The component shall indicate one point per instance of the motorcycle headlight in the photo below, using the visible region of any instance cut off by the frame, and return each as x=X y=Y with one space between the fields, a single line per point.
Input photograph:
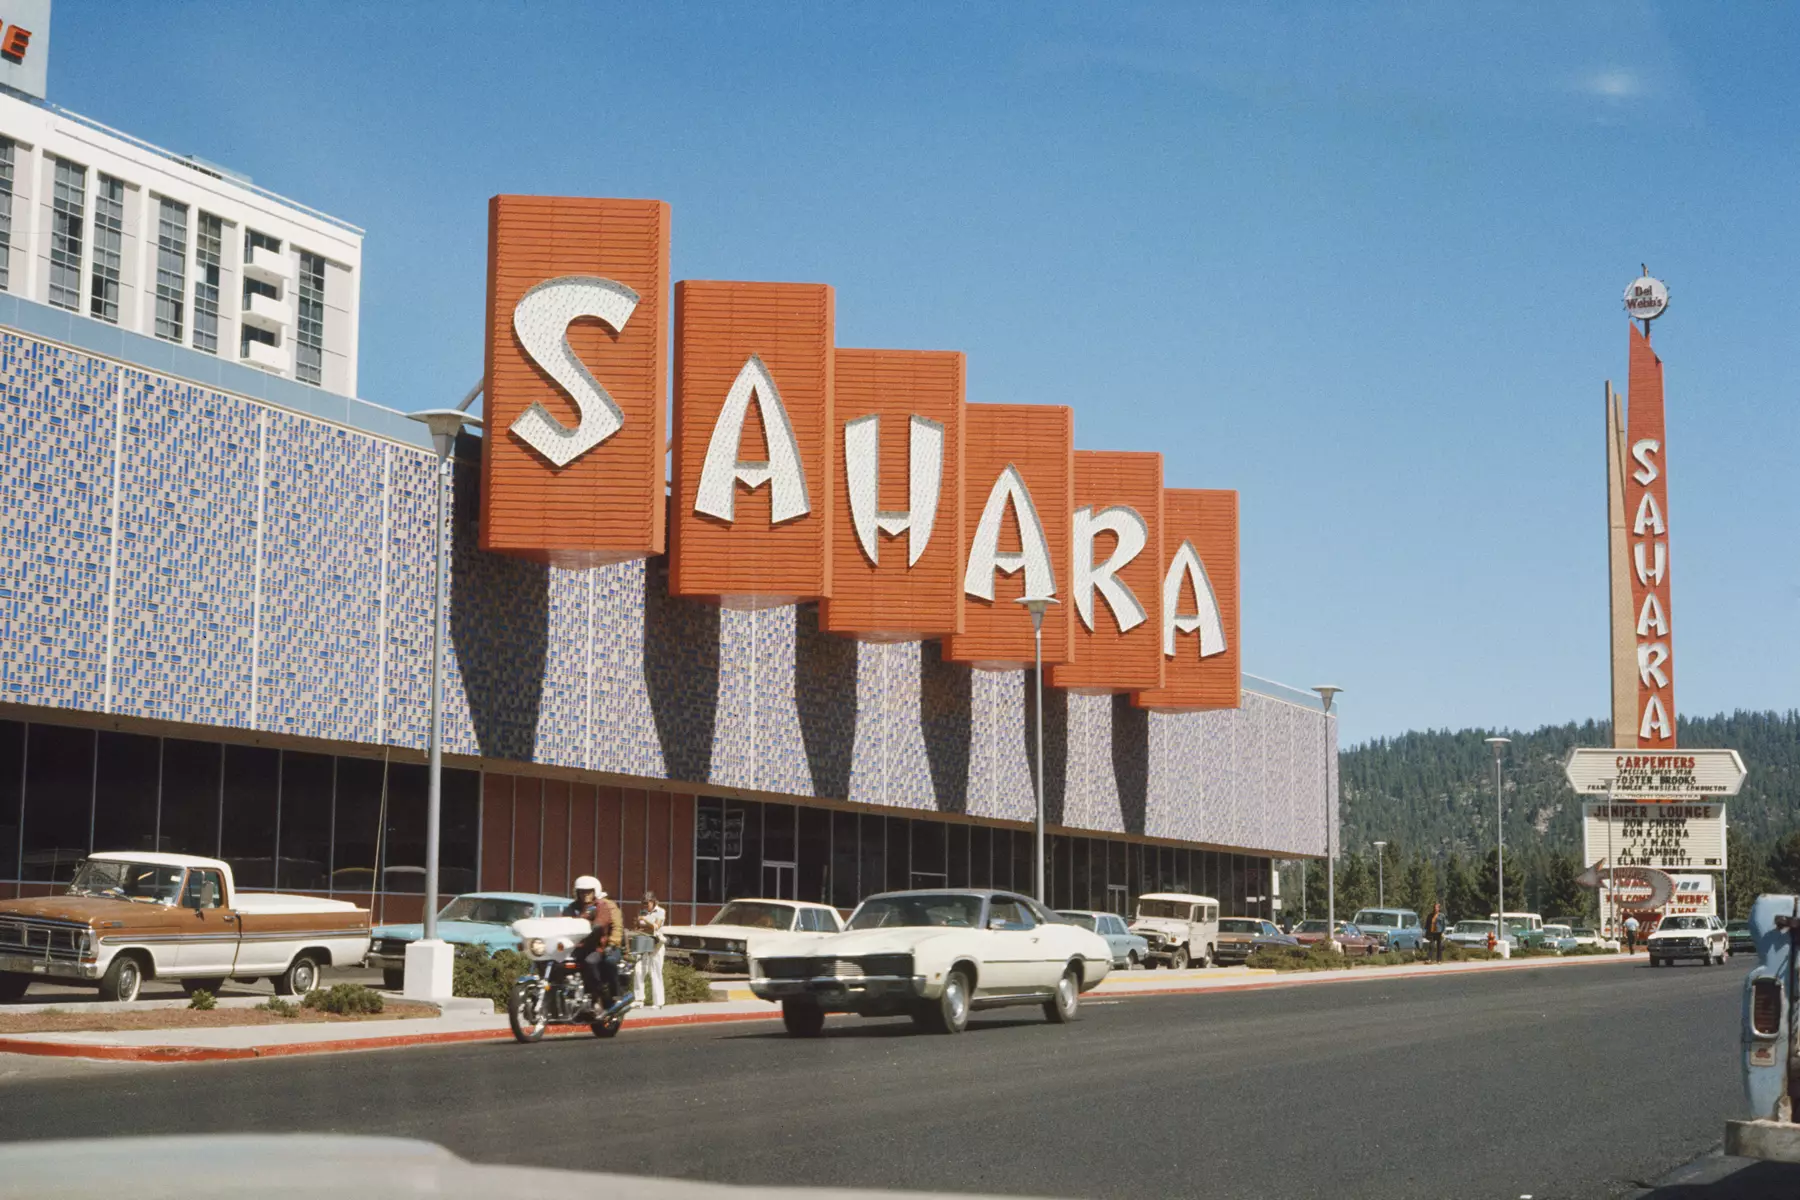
x=535 y=947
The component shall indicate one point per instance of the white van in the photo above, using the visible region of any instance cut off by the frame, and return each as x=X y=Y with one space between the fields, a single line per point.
x=1181 y=928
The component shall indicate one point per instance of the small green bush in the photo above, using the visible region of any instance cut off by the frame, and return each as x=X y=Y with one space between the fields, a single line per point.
x=1316 y=957
x=280 y=1007
x=486 y=976
x=1455 y=953
x=202 y=1000
x=684 y=985
x=344 y=999
x=1584 y=951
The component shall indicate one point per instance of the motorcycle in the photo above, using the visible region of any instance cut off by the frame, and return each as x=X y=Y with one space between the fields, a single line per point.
x=554 y=993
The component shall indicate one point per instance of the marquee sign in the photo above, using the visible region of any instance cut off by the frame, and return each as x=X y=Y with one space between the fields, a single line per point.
x=1679 y=775
x=798 y=471
x=1668 y=837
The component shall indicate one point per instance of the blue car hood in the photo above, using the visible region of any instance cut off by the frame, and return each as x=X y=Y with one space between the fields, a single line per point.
x=469 y=933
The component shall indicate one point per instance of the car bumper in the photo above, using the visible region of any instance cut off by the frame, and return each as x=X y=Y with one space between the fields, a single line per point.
x=843 y=993
x=1231 y=952
x=48 y=968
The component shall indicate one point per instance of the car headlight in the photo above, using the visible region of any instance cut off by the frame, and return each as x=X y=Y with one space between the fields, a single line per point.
x=735 y=947
x=535 y=947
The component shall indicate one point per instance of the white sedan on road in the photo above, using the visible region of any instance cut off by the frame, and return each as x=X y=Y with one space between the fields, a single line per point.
x=1696 y=937
x=934 y=956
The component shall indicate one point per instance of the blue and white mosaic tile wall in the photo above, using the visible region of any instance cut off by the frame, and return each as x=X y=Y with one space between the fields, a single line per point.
x=174 y=552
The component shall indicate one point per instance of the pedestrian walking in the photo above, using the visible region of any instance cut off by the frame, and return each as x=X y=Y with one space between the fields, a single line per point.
x=651 y=920
x=1434 y=929
x=1631 y=928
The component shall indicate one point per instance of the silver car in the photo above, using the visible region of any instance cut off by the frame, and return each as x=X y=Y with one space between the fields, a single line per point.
x=1129 y=951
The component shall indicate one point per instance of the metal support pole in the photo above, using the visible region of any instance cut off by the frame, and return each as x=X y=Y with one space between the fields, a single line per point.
x=1037 y=631
x=435 y=788
x=1499 y=849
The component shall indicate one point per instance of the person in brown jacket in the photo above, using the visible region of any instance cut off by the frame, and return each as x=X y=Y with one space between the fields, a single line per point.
x=598 y=952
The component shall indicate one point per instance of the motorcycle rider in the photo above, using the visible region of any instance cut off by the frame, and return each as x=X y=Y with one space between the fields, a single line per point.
x=598 y=952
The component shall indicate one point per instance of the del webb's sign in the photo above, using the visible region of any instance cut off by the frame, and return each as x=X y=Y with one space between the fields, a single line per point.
x=800 y=470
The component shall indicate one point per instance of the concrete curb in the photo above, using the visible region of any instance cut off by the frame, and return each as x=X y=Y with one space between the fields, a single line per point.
x=190 y=1054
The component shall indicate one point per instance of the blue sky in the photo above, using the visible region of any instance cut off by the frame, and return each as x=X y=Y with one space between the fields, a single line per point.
x=1362 y=263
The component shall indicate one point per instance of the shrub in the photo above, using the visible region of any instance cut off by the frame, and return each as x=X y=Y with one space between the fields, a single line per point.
x=1315 y=957
x=344 y=999
x=1583 y=951
x=202 y=1000
x=1455 y=953
x=684 y=985
x=486 y=976
x=280 y=1007
x=1533 y=952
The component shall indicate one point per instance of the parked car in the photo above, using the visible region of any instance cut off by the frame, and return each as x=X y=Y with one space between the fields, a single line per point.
x=1240 y=937
x=134 y=915
x=473 y=919
x=1587 y=935
x=1350 y=937
x=1180 y=928
x=724 y=943
x=1739 y=937
x=1129 y=951
x=1474 y=934
x=1399 y=928
x=1559 y=938
x=1696 y=937
x=1520 y=922
x=934 y=956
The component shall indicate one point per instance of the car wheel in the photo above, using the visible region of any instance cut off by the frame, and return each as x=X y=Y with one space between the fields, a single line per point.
x=1179 y=960
x=1062 y=1006
x=951 y=1012
x=1132 y=961
x=802 y=1018
x=123 y=979
x=13 y=985
x=393 y=980
x=301 y=977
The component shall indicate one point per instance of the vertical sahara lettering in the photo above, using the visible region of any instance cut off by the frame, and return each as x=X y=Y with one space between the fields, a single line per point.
x=1647 y=502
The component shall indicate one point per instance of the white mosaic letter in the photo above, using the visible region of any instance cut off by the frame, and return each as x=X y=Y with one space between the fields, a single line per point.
x=985 y=555
x=724 y=470
x=541 y=322
x=1133 y=532
x=1207 y=622
x=925 y=478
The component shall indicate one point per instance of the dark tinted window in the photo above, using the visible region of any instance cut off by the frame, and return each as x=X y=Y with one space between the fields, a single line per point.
x=125 y=791
x=403 y=848
x=845 y=856
x=59 y=794
x=459 y=839
x=12 y=790
x=190 y=797
x=251 y=814
x=306 y=787
x=357 y=822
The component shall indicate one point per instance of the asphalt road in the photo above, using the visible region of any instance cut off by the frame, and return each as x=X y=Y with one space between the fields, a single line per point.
x=1591 y=1081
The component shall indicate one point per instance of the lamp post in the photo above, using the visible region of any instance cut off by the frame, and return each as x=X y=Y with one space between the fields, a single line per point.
x=1381 y=874
x=1499 y=744
x=1326 y=692
x=430 y=961
x=1038 y=605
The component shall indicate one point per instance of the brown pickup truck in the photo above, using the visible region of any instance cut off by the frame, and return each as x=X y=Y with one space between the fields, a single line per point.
x=129 y=916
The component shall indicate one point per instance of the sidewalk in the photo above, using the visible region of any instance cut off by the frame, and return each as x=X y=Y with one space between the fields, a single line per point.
x=462 y=1024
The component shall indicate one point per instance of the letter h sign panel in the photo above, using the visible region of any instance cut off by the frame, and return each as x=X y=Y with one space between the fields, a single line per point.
x=897 y=515
x=577 y=342
x=753 y=472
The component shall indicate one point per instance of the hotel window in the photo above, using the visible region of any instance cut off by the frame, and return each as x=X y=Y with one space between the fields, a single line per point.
x=208 y=259
x=68 y=213
x=109 y=236
x=309 y=335
x=6 y=200
x=171 y=270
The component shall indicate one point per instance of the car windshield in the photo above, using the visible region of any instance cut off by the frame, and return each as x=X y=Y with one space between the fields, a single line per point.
x=1683 y=923
x=487 y=910
x=755 y=914
x=1557 y=930
x=153 y=883
x=1581 y=931
x=1369 y=916
x=888 y=912
x=1173 y=910
x=1474 y=927
x=1085 y=920
x=1738 y=926
x=1310 y=927
x=1235 y=925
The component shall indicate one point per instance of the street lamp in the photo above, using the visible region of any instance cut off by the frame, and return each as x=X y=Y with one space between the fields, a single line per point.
x=1381 y=874
x=1326 y=692
x=1499 y=744
x=430 y=961
x=1038 y=605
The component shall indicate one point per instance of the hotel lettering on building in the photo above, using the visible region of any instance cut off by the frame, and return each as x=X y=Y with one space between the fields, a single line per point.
x=734 y=610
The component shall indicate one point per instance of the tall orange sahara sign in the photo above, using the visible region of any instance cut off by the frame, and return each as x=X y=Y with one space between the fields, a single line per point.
x=800 y=472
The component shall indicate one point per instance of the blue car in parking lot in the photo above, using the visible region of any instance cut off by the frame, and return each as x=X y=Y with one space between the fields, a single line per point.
x=1400 y=928
x=474 y=919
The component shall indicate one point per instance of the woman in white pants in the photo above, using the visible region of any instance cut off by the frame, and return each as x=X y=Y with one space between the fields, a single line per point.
x=650 y=920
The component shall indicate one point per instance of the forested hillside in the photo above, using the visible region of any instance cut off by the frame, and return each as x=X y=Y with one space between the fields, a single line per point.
x=1430 y=796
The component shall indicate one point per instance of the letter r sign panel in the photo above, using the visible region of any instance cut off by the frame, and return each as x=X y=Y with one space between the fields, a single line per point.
x=1202 y=658
x=897 y=514
x=577 y=341
x=1116 y=573
x=753 y=470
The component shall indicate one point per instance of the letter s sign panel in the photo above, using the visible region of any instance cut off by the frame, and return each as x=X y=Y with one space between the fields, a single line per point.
x=577 y=347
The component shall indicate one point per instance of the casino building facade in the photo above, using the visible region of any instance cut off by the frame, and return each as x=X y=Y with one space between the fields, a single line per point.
x=216 y=574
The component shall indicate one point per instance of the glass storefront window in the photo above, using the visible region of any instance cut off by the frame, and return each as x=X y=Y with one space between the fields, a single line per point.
x=981 y=850
x=814 y=879
x=12 y=794
x=743 y=853
x=356 y=825
x=872 y=854
x=305 y=842
x=59 y=796
x=251 y=814
x=846 y=854
x=125 y=784
x=190 y=797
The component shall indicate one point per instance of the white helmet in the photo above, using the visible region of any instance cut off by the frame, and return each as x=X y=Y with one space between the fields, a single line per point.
x=587 y=883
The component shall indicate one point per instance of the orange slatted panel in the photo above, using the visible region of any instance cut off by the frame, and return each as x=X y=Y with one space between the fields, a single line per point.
x=581 y=829
x=657 y=857
x=1209 y=519
x=1040 y=441
x=556 y=837
x=631 y=872
x=681 y=837
x=748 y=561
x=890 y=600
x=496 y=833
x=1107 y=660
x=608 y=814
x=606 y=505
x=528 y=807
